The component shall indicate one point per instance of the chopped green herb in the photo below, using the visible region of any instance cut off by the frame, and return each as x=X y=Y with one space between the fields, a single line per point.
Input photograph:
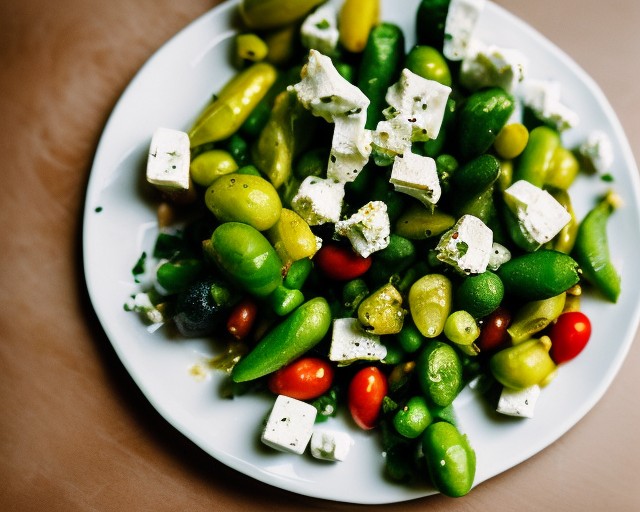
x=138 y=268
x=323 y=25
x=607 y=177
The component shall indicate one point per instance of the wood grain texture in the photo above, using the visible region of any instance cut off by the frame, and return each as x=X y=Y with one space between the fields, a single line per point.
x=76 y=434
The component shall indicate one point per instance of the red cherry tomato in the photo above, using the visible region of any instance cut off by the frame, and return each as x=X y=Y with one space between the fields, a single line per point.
x=366 y=392
x=304 y=379
x=340 y=262
x=569 y=335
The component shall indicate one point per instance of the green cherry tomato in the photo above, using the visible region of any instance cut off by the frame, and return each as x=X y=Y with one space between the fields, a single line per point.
x=569 y=335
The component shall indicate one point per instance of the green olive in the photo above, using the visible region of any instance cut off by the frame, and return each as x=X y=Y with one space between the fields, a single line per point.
x=244 y=198
x=429 y=63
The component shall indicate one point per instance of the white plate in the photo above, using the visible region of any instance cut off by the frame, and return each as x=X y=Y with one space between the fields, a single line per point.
x=169 y=91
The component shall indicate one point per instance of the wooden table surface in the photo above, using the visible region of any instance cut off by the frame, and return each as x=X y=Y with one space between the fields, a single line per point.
x=75 y=431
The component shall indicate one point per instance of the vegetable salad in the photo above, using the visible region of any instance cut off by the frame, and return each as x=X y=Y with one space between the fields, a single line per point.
x=371 y=227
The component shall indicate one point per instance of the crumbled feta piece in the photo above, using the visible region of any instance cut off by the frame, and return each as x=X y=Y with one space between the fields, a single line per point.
x=350 y=343
x=393 y=137
x=543 y=97
x=141 y=303
x=368 y=229
x=318 y=200
x=499 y=255
x=597 y=151
x=290 y=425
x=350 y=148
x=324 y=92
x=518 y=402
x=540 y=216
x=319 y=30
x=330 y=444
x=462 y=18
x=419 y=101
x=416 y=175
x=169 y=159
x=492 y=66
x=467 y=246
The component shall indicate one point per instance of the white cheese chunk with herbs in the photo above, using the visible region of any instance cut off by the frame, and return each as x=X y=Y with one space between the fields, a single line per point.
x=350 y=148
x=492 y=66
x=597 y=151
x=416 y=176
x=290 y=425
x=324 y=92
x=319 y=30
x=368 y=229
x=520 y=402
x=393 y=136
x=169 y=159
x=540 y=216
x=543 y=97
x=461 y=21
x=499 y=256
x=420 y=102
x=467 y=246
x=318 y=200
x=350 y=343
x=331 y=445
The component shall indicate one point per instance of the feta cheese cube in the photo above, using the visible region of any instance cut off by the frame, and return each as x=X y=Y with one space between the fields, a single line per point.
x=368 y=229
x=492 y=66
x=462 y=18
x=324 y=92
x=543 y=97
x=169 y=160
x=330 y=444
x=499 y=255
x=520 y=402
x=319 y=30
x=393 y=137
x=467 y=246
x=350 y=148
x=597 y=152
x=416 y=175
x=419 y=101
x=540 y=216
x=350 y=343
x=318 y=200
x=290 y=425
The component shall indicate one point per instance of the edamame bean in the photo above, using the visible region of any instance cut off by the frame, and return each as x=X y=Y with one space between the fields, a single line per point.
x=244 y=198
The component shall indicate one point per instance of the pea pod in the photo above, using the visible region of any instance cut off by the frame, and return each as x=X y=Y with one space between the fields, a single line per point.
x=247 y=258
x=356 y=19
x=480 y=120
x=537 y=157
x=591 y=249
x=299 y=332
x=267 y=14
x=451 y=461
x=539 y=275
x=381 y=64
x=430 y=299
x=234 y=103
x=524 y=365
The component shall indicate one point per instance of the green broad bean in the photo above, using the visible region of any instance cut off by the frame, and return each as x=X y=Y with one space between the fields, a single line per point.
x=292 y=237
x=269 y=14
x=419 y=223
x=536 y=159
x=451 y=461
x=353 y=293
x=248 y=259
x=296 y=334
x=539 y=275
x=238 y=148
x=175 y=276
x=462 y=329
x=244 y=198
x=311 y=163
x=430 y=299
x=473 y=178
x=393 y=259
x=284 y=300
x=591 y=248
x=446 y=165
x=409 y=337
x=210 y=165
x=250 y=48
x=257 y=120
x=412 y=418
x=439 y=372
x=250 y=170
x=563 y=169
x=532 y=317
x=524 y=365
x=566 y=238
x=511 y=141
x=298 y=273
x=382 y=311
x=380 y=67
x=429 y=63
